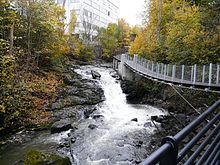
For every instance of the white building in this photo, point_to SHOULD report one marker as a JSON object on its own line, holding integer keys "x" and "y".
{"x": 91, "y": 14}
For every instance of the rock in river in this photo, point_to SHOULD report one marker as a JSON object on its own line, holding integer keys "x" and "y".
{"x": 36, "y": 157}
{"x": 59, "y": 126}
{"x": 92, "y": 126}
{"x": 95, "y": 75}
{"x": 134, "y": 119}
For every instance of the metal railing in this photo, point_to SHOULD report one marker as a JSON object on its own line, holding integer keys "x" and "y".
{"x": 202, "y": 148}
{"x": 195, "y": 75}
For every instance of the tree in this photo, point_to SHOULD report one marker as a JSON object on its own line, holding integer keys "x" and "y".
{"x": 123, "y": 36}
{"x": 43, "y": 30}
{"x": 108, "y": 39}
{"x": 31, "y": 38}
{"x": 88, "y": 19}
{"x": 180, "y": 32}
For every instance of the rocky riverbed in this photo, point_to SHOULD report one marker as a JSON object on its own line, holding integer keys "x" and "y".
{"x": 179, "y": 113}
{"x": 77, "y": 99}
{"x": 91, "y": 124}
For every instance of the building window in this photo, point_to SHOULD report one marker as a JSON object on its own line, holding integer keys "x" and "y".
{"x": 85, "y": 12}
{"x": 108, "y": 13}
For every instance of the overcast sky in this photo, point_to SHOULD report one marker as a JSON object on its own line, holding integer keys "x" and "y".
{"x": 130, "y": 10}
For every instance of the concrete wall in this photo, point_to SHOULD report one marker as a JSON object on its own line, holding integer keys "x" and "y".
{"x": 124, "y": 72}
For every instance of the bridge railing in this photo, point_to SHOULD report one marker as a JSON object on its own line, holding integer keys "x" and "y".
{"x": 203, "y": 146}
{"x": 205, "y": 75}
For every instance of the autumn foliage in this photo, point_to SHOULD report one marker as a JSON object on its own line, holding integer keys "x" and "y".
{"x": 179, "y": 31}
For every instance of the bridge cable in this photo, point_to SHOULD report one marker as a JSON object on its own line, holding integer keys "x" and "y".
{"x": 184, "y": 98}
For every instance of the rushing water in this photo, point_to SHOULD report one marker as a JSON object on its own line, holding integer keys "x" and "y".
{"x": 117, "y": 139}
{"x": 114, "y": 138}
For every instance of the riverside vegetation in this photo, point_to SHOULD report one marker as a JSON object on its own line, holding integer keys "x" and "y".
{"x": 35, "y": 47}
{"x": 37, "y": 53}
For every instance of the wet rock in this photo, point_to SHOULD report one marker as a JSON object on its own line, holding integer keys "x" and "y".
{"x": 160, "y": 118}
{"x": 139, "y": 143}
{"x": 92, "y": 126}
{"x": 137, "y": 161}
{"x": 57, "y": 105}
{"x": 147, "y": 124}
{"x": 181, "y": 117}
{"x": 120, "y": 144}
{"x": 88, "y": 111}
{"x": 77, "y": 91}
{"x": 59, "y": 126}
{"x": 68, "y": 81}
{"x": 106, "y": 65}
{"x": 36, "y": 157}
{"x": 73, "y": 140}
{"x": 134, "y": 119}
{"x": 61, "y": 145}
{"x": 114, "y": 75}
{"x": 95, "y": 75}
{"x": 97, "y": 116}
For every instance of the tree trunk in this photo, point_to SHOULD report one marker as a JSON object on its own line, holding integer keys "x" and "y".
{"x": 29, "y": 28}
{"x": 64, "y": 3}
{"x": 11, "y": 38}
{"x": 158, "y": 29}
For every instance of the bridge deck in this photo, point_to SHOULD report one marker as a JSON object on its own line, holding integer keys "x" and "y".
{"x": 206, "y": 76}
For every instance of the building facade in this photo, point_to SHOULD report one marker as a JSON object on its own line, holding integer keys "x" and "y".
{"x": 91, "y": 14}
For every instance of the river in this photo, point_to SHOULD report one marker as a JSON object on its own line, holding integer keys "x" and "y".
{"x": 116, "y": 133}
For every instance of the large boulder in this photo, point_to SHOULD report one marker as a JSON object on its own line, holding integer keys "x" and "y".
{"x": 95, "y": 75}
{"x": 36, "y": 158}
{"x": 59, "y": 126}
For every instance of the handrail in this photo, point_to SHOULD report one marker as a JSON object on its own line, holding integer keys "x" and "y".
{"x": 167, "y": 154}
{"x": 184, "y": 132}
{"x": 194, "y": 75}
{"x": 158, "y": 154}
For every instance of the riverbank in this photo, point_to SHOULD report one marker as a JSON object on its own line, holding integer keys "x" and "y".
{"x": 88, "y": 127}
{"x": 75, "y": 98}
{"x": 170, "y": 98}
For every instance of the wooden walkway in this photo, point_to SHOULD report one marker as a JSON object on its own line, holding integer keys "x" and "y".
{"x": 205, "y": 76}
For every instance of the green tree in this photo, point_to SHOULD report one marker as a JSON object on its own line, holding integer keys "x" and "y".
{"x": 108, "y": 39}
{"x": 43, "y": 30}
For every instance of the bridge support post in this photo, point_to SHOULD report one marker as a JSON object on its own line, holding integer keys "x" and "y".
{"x": 158, "y": 69}
{"x": 168, "y": 69}
{"x": 182, "y": 76}
{"x": 194, "y": 75}
{"x": 203, "y": 74}
{"x": 135, "y": 60}
{"x": 165, "y": 71}
{"x": 121, "y": 66}
{"x": 152, "y": 69}
{"x": 173, "y": 72}
{"x": 210, "y": 74}
{"x": 124, "y": 72}
{"x": 217, "y": 74}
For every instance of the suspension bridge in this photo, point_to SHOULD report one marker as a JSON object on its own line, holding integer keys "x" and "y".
{"x": 203, "y": 144}
{"x": 206, "y": 77}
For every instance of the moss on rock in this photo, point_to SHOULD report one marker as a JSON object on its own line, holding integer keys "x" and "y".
{"x": 38, "y": 158}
